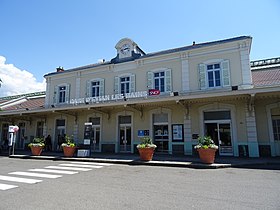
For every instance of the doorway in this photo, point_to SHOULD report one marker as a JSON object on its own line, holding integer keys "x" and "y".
{"x": 125, "y": 133}
{"x": 95, "y": 134}
{"x": 220, "y": 132}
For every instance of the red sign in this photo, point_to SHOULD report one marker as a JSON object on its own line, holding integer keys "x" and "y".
{"x": 154, "y": 92}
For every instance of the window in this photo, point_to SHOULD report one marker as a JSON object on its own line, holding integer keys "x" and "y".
{"x": 276, "y": 128}
{"x": 95, "y": 88}
{"x": 214, "y": 75}
{"x": 160, "y": 80}
{"x": 62, "y": 94}
{"x": 125, "y": 82}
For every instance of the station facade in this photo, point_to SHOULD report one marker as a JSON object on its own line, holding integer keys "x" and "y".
{"x": 173, "y": 96}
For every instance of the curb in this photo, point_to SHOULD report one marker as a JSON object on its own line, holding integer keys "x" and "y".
{"x": 195, "y": 165}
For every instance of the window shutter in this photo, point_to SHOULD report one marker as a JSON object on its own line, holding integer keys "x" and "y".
{"x": 150, "y": 76}
{"x": 132, "y": 83}
{"x": 101, "y": 89}
{"x": 225, "y": 73}
{"x": 88, "y": 92}
{"x": 117, "y": 84}
{"x": 55, "y": 95}
{"x": 168, "y": 80}
{"x": 202, "y": 75}
{"x": 67, "y": 93}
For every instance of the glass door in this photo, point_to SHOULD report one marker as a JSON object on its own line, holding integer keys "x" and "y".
{"x": 125, "y": 138}
{"x": 221, "y": 134}
{"x": 95, "y": 138}
{"x": 161, "y": 137}
{"x": 20, "y": 136}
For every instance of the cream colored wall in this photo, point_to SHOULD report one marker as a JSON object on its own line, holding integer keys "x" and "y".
{"x": 240, "y": 123}
{"x": 261, "y": 118}
{"x": 234, "y": 62}
{"x": 140, "y": 67}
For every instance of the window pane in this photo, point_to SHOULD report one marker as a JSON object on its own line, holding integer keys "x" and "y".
{"x": 157, "y": 84}
{"x": 162, "y": 84}
{"x": 217, "y": 66}
{"x": 219, "y": 115}
{"x": 209, "y": 67}
{"x": 159, "y": 118}
{"x": 124, "y": 119}
{"x": 210, "y": 75}
{"x": 156, "y": 75}
{"x": 217, "y": 78}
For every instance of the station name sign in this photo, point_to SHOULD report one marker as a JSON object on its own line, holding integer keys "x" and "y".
{"x": 107, "y": 98}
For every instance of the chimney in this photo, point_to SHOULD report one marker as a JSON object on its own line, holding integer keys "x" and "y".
{"x": 59, "y": 69}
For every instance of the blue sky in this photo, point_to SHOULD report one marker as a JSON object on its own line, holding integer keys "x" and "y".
{"x": 36, "y": 36}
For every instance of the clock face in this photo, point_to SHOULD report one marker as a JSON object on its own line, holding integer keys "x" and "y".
{"x": 125, "y": 49}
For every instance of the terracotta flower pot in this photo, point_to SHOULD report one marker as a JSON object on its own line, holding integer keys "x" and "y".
{"x": 207, "y": 155}
{"x": 146, "y": 153}
{"x": 69, "y": 151}
{"x": 36, "y": 150}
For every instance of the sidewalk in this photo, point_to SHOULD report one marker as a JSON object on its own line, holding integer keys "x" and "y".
{"x": 158, "y": 160}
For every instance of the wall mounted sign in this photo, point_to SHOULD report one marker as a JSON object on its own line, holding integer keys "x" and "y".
{"x": 177, "y": 132}
{"x": 114, "y": 97}
{"x": 142, "y": 133}
{"x": 154, "y": 92}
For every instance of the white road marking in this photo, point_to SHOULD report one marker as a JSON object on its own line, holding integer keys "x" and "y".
{"x": 69, "y": 168}
{"x": 21, "y": 173}
{"x": 77, "y": 165}
{"x": 93, "y": 163}
{"x": 53, "y": 171}
{"x": 7, "y": 186}
{"x": 18, "y": 179}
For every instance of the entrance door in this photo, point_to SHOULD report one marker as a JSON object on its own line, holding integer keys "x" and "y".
{"x": 59, "y": 133}
{"x": 20, "y": 136}
{"x": 221, "y": 134}
{"x": 96, "y": 138}
{"x": 125, "y": 138}
{"x": 161, "y": 138}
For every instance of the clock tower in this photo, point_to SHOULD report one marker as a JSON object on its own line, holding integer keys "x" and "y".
{"x": 127, "y": 50}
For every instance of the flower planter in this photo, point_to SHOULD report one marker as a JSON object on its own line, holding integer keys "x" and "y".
{"x": 36, "y": 150}
{"x": 69, "y": 151}
{"x": 146, "y": 154}
{"x": 207, "y": 155}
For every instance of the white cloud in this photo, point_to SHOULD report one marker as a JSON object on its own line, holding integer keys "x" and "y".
{"x": 16, "y": 81}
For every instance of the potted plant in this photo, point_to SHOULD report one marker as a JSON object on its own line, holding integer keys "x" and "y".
{"x": 69, "y": 147}
{"x": 146, "y": 149}
{"x": 206, "y": 149}
{"x": 37, "y": 146}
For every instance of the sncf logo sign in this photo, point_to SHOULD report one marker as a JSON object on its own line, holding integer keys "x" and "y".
{"x": 154, "y": 92}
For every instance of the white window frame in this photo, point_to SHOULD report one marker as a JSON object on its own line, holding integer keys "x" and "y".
{"x": 125, "y": 85}
{"x": 213, "y": 71}
{"x": 57, "y": 92}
